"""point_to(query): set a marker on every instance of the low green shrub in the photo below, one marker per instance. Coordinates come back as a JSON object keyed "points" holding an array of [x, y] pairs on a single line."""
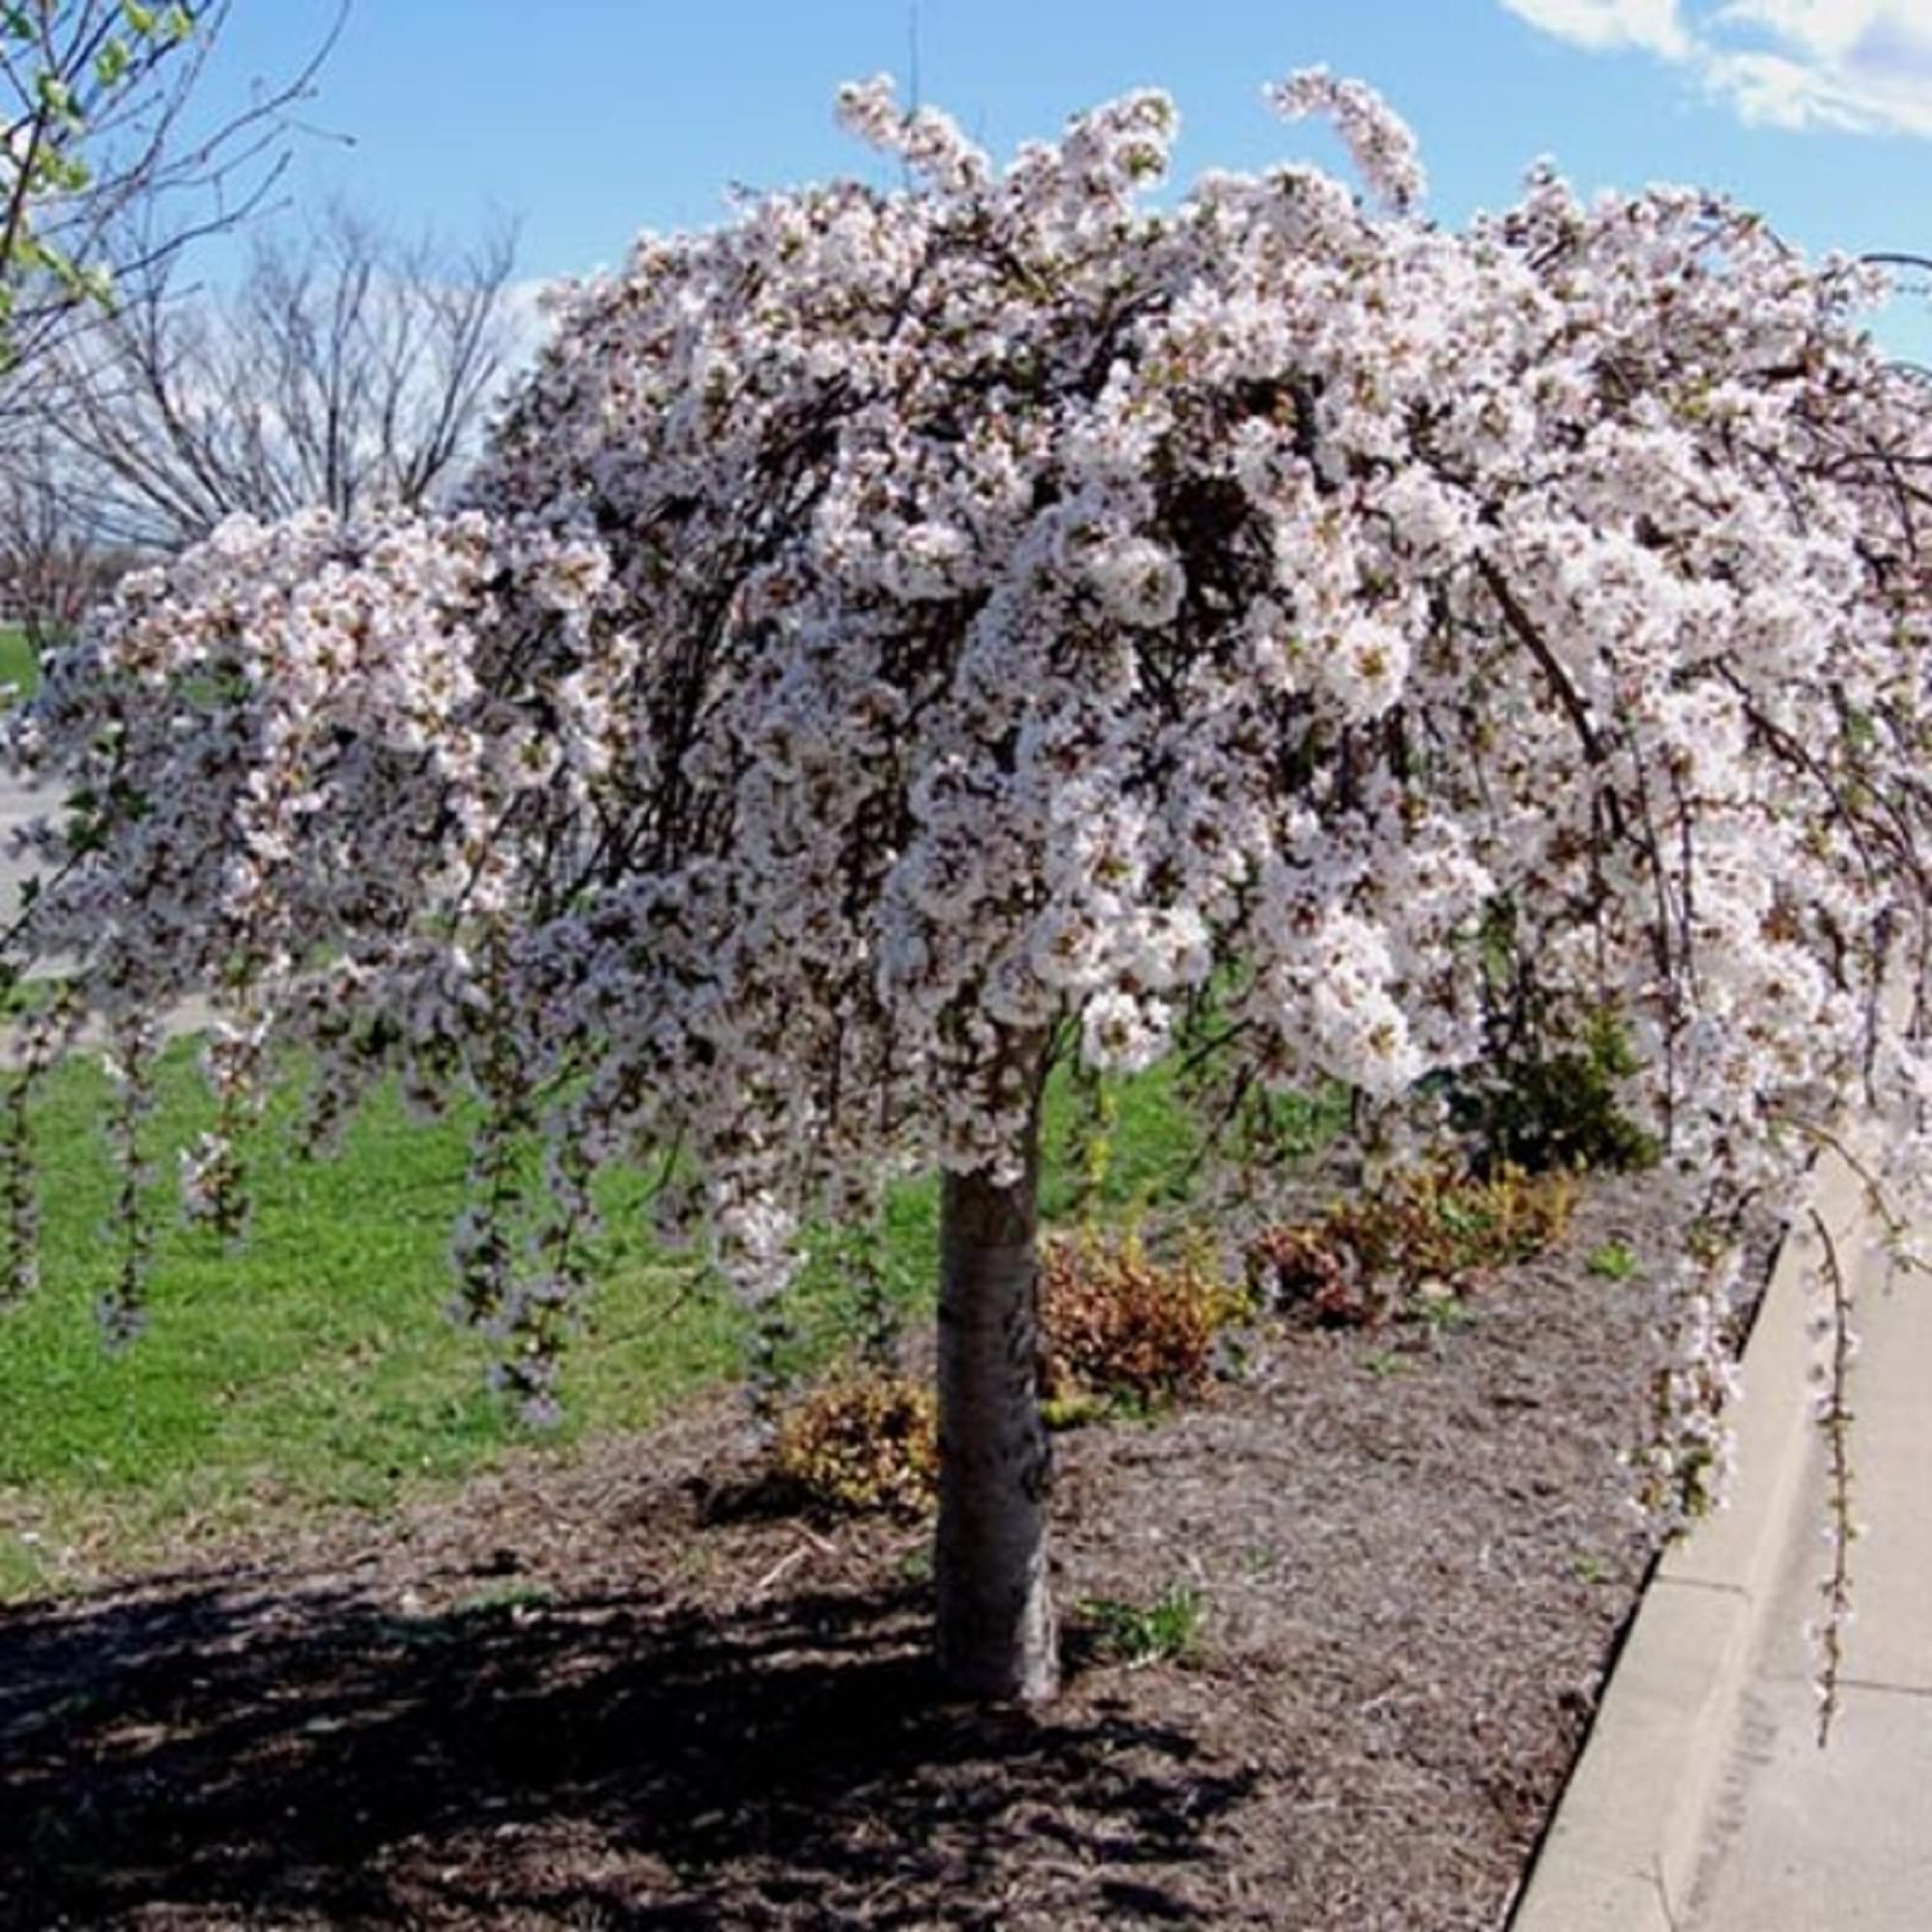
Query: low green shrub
{"points": [[1120, 1326], [860, 1439], [1420, 1237], [1543, 1111]]}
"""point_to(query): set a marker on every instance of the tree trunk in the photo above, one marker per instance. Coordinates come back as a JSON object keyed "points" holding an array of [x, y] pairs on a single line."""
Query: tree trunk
{"points": [[997, 1636]]}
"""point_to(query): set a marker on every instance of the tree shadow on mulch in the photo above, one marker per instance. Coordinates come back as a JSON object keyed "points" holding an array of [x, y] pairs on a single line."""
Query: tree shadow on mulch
{"points": [[234, 1751]]}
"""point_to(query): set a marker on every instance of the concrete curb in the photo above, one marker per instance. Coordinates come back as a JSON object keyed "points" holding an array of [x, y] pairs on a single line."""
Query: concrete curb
{"points": [[1623, 1849]]}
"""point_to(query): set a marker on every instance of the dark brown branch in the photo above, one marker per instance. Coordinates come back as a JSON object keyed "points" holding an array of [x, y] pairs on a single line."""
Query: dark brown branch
{"points": [[1532, 640]]}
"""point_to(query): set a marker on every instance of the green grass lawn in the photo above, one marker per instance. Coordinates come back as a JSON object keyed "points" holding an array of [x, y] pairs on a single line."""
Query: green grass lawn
{"points": [[313, 1366], [16, 661]]}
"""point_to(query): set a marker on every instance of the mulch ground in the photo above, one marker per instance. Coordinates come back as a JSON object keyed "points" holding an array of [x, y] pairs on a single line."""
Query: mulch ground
{"points": [[612, 1696]]}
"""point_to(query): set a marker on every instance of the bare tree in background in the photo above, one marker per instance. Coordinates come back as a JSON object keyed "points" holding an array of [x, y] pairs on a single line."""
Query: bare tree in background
{"points": [[102, 175], [346, 368], [54, 559], [105, 178]]}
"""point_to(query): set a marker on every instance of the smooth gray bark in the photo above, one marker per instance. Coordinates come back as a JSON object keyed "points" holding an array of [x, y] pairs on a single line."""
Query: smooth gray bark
{"points": [[997, 1636]]}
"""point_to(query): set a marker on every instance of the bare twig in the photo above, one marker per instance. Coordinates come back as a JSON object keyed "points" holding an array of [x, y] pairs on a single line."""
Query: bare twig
{"points": [[1834, 1418]]}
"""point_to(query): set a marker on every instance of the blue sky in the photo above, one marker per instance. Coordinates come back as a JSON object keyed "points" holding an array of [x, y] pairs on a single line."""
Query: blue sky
{"points": [[591, 119]]}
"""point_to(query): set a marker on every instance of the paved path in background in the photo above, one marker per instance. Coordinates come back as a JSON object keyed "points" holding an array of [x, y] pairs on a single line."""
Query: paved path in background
{"points": [[18, 803]]}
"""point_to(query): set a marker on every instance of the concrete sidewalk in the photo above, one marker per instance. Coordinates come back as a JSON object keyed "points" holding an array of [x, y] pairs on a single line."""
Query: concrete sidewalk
{"points": [[1839, 1840], [1703, 1801]]}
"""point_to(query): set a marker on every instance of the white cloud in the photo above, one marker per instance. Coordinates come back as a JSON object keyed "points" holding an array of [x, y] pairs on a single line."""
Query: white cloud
{"points": [[1863, 65], [1602, 25]]}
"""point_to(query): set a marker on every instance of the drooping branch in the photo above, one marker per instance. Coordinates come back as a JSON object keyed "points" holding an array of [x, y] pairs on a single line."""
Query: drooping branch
{"points": [[1532, 640]]}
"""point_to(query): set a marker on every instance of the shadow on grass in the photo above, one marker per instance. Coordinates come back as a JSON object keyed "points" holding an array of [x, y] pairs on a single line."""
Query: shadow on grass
{"points": [[223, 1750]]}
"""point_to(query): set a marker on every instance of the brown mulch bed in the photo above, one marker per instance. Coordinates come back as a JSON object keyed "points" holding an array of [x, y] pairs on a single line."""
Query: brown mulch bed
{"points": [[616, 1696]]}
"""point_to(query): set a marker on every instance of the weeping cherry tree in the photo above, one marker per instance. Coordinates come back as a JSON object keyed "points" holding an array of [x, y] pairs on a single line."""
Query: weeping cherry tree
{"points": [[902, 642]]}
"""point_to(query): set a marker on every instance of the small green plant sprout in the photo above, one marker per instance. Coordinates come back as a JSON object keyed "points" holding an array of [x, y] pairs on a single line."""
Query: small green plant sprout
{"points": [[1587, 1567], [1613, 1261], [1074, 1410], [512, 1603], [1166, 1631], [1383, 1363], [1439, 1308]]}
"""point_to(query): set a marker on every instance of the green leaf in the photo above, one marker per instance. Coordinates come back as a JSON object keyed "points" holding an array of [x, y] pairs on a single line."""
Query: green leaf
{"points": [[111, 62], [66, 174], [140, 20]]}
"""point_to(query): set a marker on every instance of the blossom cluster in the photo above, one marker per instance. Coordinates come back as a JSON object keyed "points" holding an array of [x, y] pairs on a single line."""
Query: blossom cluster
{"points": [[897, 640]]}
